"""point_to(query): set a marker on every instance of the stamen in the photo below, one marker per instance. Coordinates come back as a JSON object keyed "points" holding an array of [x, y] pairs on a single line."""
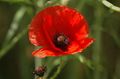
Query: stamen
{"points": [[61, 41]]}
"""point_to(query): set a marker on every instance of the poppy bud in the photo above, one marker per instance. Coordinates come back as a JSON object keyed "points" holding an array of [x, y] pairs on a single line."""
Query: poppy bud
{"points": [[39, 71]]}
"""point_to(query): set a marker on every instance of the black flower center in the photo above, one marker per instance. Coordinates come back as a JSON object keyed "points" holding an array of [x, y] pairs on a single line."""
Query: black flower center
{"points": [[61, 41]]}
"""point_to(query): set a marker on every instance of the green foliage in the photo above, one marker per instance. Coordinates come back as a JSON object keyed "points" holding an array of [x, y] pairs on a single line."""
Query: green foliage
{"points": [[100, 61]]}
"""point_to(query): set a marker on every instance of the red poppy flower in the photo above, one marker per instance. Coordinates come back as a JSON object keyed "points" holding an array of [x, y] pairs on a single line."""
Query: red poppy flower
{"points": [[60, 31]]}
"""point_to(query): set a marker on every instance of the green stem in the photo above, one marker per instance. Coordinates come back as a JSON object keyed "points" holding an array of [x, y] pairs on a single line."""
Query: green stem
{"points": [[4, 50], [98, 43], [26, 3], [110, 5], [40, 78], [60, 67], [85, 61], [14, 25]]}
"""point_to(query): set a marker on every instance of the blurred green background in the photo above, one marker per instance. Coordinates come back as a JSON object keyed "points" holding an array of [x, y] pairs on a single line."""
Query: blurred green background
{"points": [[99, 61]]}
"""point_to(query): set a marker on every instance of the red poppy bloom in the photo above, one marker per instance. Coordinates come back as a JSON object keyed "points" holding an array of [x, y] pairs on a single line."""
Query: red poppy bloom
{"points": [[60, 31]]}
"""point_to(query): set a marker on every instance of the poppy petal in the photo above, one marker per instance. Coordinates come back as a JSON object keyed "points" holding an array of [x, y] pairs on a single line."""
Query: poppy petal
{"points": [[36, 35], [80, 27], [79, 47], [86, 42], [42, 53]]}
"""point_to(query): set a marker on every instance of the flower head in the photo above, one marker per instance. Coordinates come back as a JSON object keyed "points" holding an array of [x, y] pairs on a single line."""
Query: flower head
{"points": [[60, 31]]}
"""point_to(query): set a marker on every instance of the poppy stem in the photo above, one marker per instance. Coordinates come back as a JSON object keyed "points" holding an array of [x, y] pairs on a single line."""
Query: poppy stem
{"points": [[60, 67], [40, 78], [85, 61]]}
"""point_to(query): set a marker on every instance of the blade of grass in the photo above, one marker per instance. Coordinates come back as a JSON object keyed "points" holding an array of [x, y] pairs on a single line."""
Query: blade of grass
{"points": [[5, 50], [14, 25], [21, 2], [110, 5]]}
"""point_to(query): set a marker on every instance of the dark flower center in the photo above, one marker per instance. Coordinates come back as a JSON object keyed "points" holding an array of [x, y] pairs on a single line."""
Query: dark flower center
{"points": [[61, 41]]}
